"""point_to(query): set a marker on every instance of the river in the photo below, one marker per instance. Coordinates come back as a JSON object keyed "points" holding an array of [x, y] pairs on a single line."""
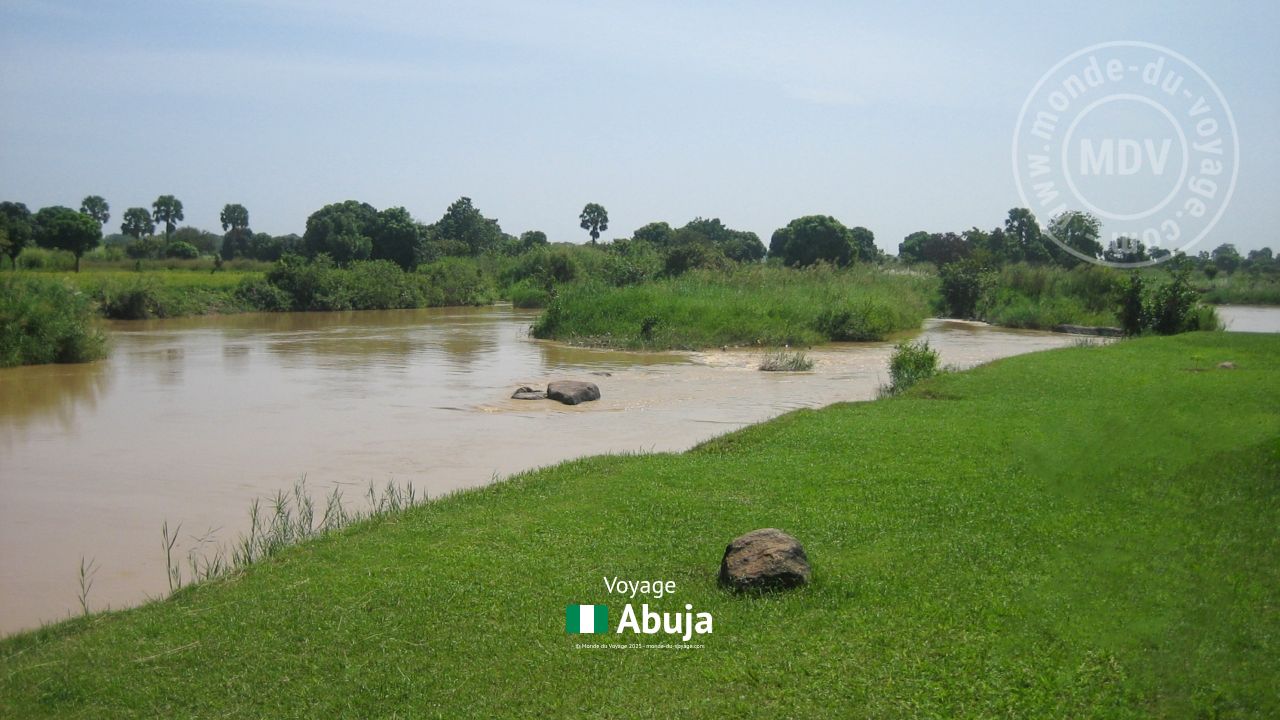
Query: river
{"points": [[188, 420]]}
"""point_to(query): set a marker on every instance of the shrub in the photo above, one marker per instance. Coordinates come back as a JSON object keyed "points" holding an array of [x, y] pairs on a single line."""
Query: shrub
{"points": [[381, 284], [1133, 315], [529, 294], [135, 298], [963, 284], [179, 249], [255, 293], [867, 320], [784, 361], [46, 321], [37, 258], [911, 363], [456, 281]]}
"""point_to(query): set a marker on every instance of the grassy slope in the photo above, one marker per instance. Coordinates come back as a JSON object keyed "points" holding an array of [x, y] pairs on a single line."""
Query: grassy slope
{"points": [[1089, 532]]}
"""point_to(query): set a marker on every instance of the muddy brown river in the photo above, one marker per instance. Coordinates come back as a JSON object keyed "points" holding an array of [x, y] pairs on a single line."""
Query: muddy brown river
{"points": [[189, 420]]}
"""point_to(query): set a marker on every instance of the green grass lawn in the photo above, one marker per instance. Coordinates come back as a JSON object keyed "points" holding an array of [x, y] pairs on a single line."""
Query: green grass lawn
{"points": [[1089, 532]]}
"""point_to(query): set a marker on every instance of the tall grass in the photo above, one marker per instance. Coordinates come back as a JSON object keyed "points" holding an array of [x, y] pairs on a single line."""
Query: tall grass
{"points": [[786, 361], [750, 305], [1043, 296], [283, 520], [44, 320]]}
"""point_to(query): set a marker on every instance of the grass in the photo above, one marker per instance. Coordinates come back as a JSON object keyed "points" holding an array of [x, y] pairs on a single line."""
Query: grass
{"points": [[1242, 289], [1088, 532], [786, 361], [46, 321], [756, 306]]}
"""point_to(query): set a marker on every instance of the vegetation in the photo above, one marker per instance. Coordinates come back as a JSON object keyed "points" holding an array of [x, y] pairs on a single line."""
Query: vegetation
{"points": [[786, 361], [978, 551], [759, 306], [44, 320], [66, 229], [595, 220], [910, 363]]}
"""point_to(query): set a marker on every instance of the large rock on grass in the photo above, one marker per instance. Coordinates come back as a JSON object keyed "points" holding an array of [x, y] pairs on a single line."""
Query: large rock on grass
{"points": [[766, 559], [572, 392]]}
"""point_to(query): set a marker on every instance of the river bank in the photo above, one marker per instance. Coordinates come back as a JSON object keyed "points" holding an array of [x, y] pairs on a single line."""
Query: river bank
{"points": [[170, 427], [976, 527]]}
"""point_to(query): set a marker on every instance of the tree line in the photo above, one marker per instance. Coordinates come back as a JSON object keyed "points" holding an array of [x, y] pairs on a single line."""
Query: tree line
{"points": [[352, 230]]}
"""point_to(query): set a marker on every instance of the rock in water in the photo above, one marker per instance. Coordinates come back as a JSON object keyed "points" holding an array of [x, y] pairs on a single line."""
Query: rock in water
{"points": [[572, 392], [766, 559], [528, 393]]}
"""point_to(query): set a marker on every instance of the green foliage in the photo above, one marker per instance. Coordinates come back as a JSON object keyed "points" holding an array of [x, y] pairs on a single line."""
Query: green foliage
{"points": [[341, 231], [1174, 306], [747, 305], [531, 239], [963, 285], [397, 237], [138, 223], [528, 293], [911, 362], [457, 281], [463, 225], [45, 320], [813, 238], [594, 219], [97, 208], [1080, 232], [180, 249], [1133, 315], [16, 231], [167, 209], [65, 229], [1043, 296]]}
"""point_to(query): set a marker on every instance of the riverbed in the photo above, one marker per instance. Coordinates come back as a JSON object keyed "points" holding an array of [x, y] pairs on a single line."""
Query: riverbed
{"points": [[188, 420]]}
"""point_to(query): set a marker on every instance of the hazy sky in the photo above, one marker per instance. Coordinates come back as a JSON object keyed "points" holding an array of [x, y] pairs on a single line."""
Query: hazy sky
{"points": [[896, 117]]}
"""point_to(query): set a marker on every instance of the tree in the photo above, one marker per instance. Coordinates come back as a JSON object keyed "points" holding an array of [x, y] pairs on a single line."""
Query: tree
{"points": [[167, 209], [341, 231], [530, 239], [737, 245], [812, 238], [594, 219], [464, 223], [1078, 231], [65, 229], [1227, 258], [16, 230], [864, 244], [657, 234], [235, 223], [137, 223], [1125, 250], [1023, 240], [97, 208], [396, 237]]}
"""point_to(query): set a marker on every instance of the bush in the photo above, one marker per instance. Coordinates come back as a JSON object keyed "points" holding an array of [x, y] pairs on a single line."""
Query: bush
{"points": [[911, 363], [784, 361], [46, 321], [179, 249], [867, 320], [38, 258], [963, 284], [381, 285], [529, 294], [135, 298], [1174, 306], [259, 294], [1133, 315], [456, 281]]}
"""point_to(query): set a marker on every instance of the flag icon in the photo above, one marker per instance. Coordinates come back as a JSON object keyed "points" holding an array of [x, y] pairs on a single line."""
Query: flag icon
{"points": [[586, 618]]}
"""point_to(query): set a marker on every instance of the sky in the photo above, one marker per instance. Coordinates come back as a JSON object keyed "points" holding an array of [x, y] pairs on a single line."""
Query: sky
{"points": [[897, 117]]}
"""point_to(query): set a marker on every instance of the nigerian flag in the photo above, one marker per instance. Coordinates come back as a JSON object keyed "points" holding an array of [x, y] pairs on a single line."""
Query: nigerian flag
{"points": [[586, 618]]}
